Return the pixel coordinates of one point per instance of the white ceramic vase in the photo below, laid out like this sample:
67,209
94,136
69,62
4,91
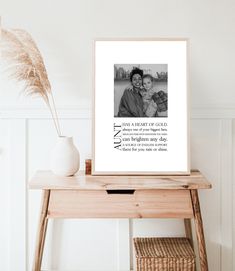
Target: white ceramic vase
65,158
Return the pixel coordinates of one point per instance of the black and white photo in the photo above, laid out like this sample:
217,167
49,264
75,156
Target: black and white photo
140,90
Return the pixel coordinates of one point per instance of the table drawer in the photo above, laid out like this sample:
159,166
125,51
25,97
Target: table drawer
120,204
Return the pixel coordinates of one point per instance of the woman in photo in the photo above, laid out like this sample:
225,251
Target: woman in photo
131,104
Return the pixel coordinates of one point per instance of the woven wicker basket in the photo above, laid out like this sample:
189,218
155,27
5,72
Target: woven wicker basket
164,254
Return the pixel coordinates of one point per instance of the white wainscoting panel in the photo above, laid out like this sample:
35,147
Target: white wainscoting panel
4,196
14,193
233,189
26,141
205,150
226,192
18,194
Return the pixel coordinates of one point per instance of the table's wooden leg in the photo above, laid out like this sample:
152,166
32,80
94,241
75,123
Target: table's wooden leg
188,230
41,234
199,230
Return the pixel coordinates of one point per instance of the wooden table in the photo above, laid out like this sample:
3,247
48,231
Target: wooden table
87,196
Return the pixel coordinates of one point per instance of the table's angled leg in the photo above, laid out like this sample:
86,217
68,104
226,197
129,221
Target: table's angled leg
41,234
188,230
199,231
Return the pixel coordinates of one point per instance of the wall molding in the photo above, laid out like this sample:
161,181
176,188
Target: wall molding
63,113
208,111
213,112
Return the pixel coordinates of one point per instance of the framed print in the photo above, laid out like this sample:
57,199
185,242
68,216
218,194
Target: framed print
140,107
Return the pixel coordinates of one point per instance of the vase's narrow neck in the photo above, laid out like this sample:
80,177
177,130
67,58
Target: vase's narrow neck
67,139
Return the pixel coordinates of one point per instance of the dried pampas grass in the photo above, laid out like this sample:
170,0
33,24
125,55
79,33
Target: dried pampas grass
24,63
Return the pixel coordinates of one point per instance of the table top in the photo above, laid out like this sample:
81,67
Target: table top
47,180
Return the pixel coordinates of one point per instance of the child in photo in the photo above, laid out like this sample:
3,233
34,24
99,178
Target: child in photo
154,102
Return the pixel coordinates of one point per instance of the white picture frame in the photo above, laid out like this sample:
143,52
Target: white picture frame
130,141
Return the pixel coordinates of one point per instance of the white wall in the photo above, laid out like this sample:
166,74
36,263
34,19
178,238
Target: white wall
64,31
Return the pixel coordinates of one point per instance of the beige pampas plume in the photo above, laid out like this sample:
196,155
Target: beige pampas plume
24,62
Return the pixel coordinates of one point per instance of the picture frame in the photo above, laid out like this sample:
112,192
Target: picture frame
140,107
